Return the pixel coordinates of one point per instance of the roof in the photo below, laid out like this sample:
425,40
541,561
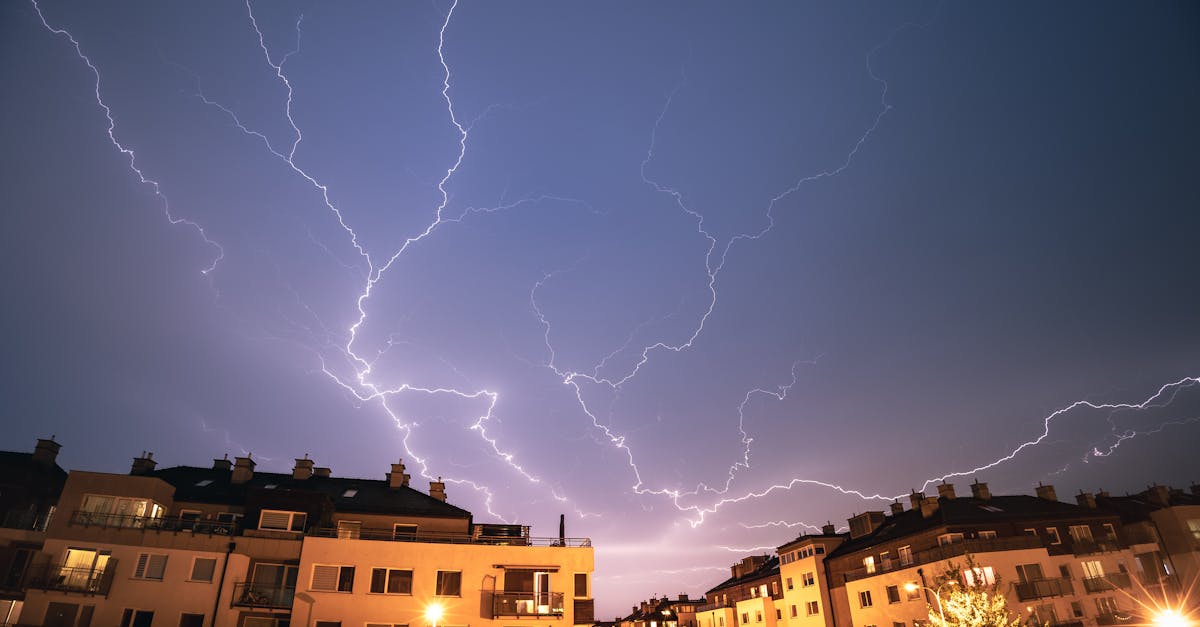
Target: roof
969,511
21,468
1137,507
769,568
372,496
809,537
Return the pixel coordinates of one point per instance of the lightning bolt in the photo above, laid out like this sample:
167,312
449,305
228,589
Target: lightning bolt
111,131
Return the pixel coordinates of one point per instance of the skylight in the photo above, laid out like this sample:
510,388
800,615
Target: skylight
990,508
349,494
270,486
204,482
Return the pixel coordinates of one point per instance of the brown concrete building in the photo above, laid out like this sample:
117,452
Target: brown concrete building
30,485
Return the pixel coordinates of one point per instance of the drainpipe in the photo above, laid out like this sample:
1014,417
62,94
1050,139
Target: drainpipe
221,583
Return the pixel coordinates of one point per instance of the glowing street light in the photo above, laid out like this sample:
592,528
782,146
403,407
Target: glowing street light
912,587
1170,618
433,613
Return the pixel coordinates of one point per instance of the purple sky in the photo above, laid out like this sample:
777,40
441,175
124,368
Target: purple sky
695,275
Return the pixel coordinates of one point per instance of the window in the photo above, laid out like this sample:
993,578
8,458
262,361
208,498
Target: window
1106,605
987,534
720,621
1064,571
774,589
864,598
115,511
946,539
869,564
332,578
228,517
1031,531
328,623
275,520
820,550
190,515
812,608
449,583
905,555
778,614
391,581
349,494
581,586
745,618
1110,532
203,483
1194,527
809,579
893,594
793,610
789,583
1092,569
137,618
404,532
150,566
1081,533
758,616
1076,609
191,620
896,624
1029,572
1052,535
914,593
980,576
349,529
202,569
885,559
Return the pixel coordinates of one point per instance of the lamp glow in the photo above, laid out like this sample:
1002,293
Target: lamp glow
1170,618
433,613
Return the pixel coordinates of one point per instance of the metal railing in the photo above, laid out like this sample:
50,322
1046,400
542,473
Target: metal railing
1114,618
527,604
1111,581
1041,588
173,523
708,607
58,578
948,551
443,538
1090,547
270,596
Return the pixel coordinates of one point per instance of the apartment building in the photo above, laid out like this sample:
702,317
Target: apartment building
1058,563
30,484
805,582
663,612
229,546
1161,525
748,598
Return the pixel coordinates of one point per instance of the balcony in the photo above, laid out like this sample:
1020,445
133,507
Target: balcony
708,607
1113,618
389,535
175,523
1042,588
527,604
55,578
263,596
1106,583
948,551
1088,546
1168,582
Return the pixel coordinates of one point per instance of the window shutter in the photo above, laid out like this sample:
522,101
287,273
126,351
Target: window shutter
156,567
139,571
325,578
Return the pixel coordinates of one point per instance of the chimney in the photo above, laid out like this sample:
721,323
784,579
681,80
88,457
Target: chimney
683,597
46,452
1195,488
915,498
223,463
828,529
1159,495
897,508
865,523
398,478
303,468
1086,499
980,491
1046,492
243,469
1103,494
143,465
322,472
946,491
437,489
929,505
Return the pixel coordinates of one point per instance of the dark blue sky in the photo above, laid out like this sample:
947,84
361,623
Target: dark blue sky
954,221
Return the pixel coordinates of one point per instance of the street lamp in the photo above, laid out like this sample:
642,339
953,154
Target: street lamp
912,587
433,613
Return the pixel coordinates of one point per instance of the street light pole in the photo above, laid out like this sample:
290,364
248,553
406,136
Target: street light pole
912,587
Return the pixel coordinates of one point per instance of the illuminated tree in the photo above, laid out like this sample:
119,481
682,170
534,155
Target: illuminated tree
969,597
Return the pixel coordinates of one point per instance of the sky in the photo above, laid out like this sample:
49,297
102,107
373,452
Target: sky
699,276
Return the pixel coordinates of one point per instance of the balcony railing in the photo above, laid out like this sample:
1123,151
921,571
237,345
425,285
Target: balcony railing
947,551
1108,582
174,523
269,596
1155,579
1114,618
708,607
527,604
443,538
1041,588
1091,547
67,579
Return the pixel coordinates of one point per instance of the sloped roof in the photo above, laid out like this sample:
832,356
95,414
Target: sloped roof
768,568
372,496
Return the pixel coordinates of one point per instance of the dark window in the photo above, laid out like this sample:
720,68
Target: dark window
581,585
449,583
391,581
137,618
191,620
202,569
329,623
893,594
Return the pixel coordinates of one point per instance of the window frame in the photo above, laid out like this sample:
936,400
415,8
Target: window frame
292,518
387,579
337,586
192,570
586,585
438,584
864,599
144,567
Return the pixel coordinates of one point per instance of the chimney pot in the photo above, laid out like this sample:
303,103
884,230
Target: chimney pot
946,491
980,491
828,529
223,463
1159,494
1046,492
398,478
303,468
243,469
46,451
1086,499
437,489
915,498
929,505
322,471
143,465
897,508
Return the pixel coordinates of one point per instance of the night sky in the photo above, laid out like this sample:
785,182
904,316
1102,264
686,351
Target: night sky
633,262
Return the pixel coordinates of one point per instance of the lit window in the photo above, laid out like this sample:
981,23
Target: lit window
869,564
946,539
270,486
349,529
203,483
987,534
980,576
349,494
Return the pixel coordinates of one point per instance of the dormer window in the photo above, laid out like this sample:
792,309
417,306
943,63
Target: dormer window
204,483
270,486
349,494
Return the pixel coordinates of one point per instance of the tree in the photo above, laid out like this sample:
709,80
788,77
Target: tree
970,597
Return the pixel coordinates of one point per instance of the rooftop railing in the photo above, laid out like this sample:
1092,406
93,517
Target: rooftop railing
172,523
389,535
947,551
